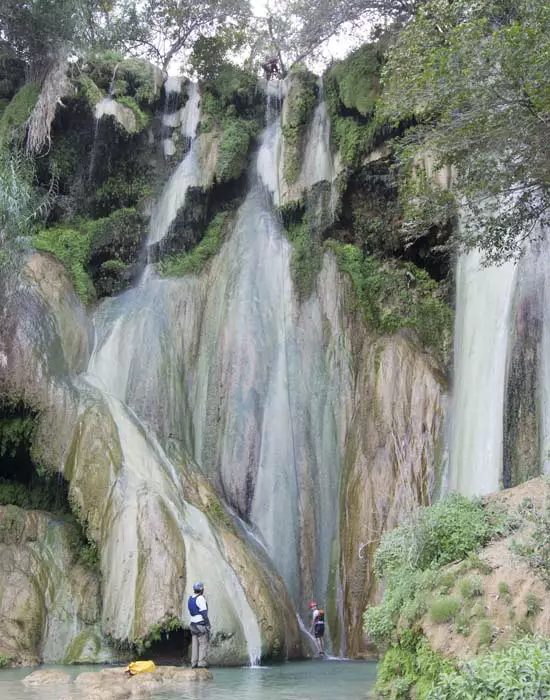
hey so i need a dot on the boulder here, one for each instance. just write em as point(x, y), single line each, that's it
point(47, 677)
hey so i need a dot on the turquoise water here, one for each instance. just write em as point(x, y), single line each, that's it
point(307, 680)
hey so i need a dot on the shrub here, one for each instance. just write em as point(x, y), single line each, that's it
point(471, 586)
point(485, 633)
point(520, 672)
point(444, 609)
point(504, 590)
point(532, 605)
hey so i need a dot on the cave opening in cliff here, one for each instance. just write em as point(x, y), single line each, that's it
point(171, 649)
point(24, 482)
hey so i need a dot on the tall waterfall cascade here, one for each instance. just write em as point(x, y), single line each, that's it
point(222, 428)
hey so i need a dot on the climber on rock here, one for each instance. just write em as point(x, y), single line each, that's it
point(271, 67)
point(200, 627)
point(318, 626)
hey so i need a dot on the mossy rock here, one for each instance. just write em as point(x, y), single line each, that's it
point(15, 115)
point(297, 113)
point(131, 77)
point(12, 524)
point(237, 138)
point(231, 94)
point(116, 237)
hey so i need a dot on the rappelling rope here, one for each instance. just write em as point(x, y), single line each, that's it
point(292, 435)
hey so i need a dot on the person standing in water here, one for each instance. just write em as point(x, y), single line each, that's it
point(318, 626)
point(200, 627)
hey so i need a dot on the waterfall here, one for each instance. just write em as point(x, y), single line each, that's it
point(318, 162)
point(185, 176)
point(483, 303)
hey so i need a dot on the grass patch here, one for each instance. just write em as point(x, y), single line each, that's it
point(484, 633)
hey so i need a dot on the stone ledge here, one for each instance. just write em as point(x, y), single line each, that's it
point(115, 684)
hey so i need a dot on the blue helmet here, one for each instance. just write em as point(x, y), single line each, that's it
point(198, 587)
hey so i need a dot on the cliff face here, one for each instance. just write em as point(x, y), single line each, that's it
point(249, 412)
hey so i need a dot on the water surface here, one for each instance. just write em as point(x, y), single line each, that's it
point(307, 680)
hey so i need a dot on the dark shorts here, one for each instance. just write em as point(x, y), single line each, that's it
point(319, 629)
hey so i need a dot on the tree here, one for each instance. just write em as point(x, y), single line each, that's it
point(476, 77)
point(167, 27)
point(297, 29)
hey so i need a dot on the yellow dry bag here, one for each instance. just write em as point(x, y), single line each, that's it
point(140, 667)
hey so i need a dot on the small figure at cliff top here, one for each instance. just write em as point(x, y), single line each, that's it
point(271, 67)
point(318, 626)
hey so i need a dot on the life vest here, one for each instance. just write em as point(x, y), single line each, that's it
point(193, 607)
point(320, 619)
point(140, 667)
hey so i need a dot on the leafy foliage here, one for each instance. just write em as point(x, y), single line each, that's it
point(476, 77)
point(195, 260)
point(520, 672)
point(392, 296)
point(357, 79)
point(414, 664)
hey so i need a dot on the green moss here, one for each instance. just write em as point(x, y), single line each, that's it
point(72, 248)
point(142, 118)
point(237, 137)
point(195, 260)
point(306, 260)
point(76, 648)
point(393, 295)
point(88, 90)
point(299, 108)
point(115, 237)
point(17, 112)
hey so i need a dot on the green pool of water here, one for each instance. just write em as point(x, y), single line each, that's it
point(307, 680)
